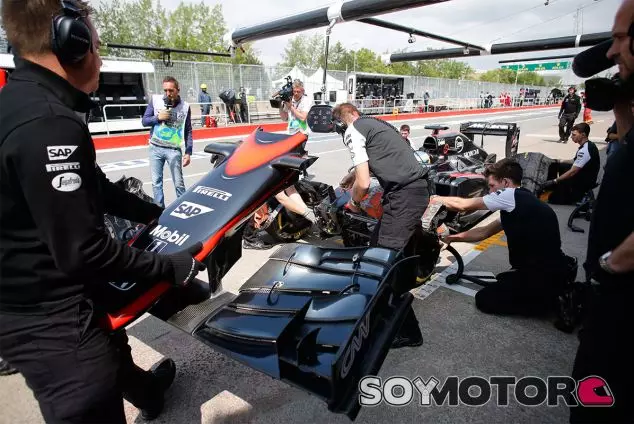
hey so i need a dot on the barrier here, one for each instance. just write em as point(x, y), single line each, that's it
point(117, 119)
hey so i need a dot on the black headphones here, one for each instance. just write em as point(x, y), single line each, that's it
point(71, 39)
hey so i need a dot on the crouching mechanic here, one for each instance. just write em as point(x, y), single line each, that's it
point(56, 254)
point(538, 265)
point(376, 146)
point(578, 177)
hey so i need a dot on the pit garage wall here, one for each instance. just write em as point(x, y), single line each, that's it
point(258, 81)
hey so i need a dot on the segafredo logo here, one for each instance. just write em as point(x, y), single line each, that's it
point(188, 210)
point(170, 236)
point(68, 181)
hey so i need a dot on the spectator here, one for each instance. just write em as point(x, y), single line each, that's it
point(205, 103)
point(169, 117)
point(426, 100)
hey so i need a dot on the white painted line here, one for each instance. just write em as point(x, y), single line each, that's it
point(557, 137)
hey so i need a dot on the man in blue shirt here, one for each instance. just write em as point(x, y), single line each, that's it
point(169, 117)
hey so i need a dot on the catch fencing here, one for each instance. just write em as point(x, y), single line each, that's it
point(259, 82)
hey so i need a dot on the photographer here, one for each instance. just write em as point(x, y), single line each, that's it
point(606, 344)
point(570, 109)
point(538, 264)
point(295, 111)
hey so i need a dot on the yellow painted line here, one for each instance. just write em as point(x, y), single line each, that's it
point(493, 240)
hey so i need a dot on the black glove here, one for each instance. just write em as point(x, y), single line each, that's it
point(185, 266)
point(549, 184)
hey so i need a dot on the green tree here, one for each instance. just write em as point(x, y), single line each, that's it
point(197, 27)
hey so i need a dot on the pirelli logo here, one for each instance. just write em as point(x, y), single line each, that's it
point(68, 166)
point(212, 192)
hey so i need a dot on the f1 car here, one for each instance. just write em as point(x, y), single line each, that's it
point(314, 317)
point(455, 168)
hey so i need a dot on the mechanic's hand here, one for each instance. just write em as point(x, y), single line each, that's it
point(435, 199)
point(185, 266)
point(549, 184)
point(163, 115)
point(448, 239)
point(186, 159)
point(351, 207)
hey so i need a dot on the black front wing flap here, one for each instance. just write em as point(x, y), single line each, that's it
point(319, 319)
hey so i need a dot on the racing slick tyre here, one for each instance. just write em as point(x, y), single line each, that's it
point(536, 169)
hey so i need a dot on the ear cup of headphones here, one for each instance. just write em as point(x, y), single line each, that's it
point(71, 39)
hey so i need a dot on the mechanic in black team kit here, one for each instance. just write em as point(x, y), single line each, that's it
point(538, 265)
point(570, 108)
point(54, 247)
point(579, 176)
point(376, 146)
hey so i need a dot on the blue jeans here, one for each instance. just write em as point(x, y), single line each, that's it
point(174, 159)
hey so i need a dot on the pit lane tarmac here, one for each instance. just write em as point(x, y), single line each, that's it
point(458, 339)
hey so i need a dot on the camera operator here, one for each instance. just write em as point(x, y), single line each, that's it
point(570, 109)
point(295, 111)
point(376, 146)
point(606, 344)
point(578, 177)
point(538, 264)
point(56, 252)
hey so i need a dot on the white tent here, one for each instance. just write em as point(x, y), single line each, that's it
point(312, 83)
point(295, 73)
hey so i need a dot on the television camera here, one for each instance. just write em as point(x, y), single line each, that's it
point(284, 94)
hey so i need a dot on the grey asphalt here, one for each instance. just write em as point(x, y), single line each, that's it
point(459, 340)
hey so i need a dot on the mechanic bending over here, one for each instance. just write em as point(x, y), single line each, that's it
point(295, 112)
point(538, 266)
point(55, 249)
point(570, 108)
point(376, 146)
point(606, 343)
point(578, 177)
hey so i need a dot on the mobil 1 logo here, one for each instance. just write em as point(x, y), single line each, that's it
point(188, 210)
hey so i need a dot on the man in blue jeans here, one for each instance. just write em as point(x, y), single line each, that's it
point(169, 117)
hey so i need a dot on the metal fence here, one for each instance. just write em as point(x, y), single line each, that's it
point(260, 82)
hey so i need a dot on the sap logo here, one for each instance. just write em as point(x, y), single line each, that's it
point(213, 192)
point(441, 141)
point(68, 166)
point(188, 210)
point(163, 233)
point(68, 181)
point(355, 346)
point(60, 152)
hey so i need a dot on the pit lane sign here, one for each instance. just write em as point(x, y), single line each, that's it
point(536, 67)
